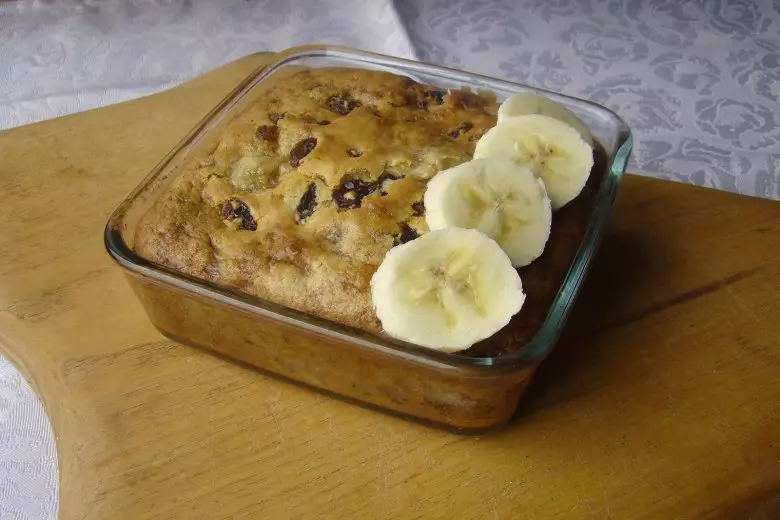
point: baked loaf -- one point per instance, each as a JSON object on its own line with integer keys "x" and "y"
{"x": 308, "y": 188}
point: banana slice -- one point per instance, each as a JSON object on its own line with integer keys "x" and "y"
{"x": 527, "y": 103}
{"x": 551, "y": 149}
{"x": 446, "y": 290}
{"x": 496, "y": 196}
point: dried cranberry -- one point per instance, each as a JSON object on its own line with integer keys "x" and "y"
{"x": 408, "y": 234}
{"x": 461, "y": 129}
{"x": 342, "y": 104}
{"x": 268, "y": 132}
{"x": 235, "y": 209}
{"x": 351, "y": 192}
{"x": 354, "y": 152}
{"x": 301, "y": 150}
{"x": 307, "y": 203}
{"x": 248, "y": 223}
{"x": 419, "y": 208}
{"x": 435, "y": 95}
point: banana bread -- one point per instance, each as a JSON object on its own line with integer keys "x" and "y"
{"x": 309, "y": 187}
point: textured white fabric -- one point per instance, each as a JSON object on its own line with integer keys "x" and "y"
{"x": 62, "y": 57}
{"x": 28, "y": 464}
{"x": 697, "y": 80}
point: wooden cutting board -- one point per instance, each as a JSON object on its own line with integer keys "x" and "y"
{"x": 661, "y": 401}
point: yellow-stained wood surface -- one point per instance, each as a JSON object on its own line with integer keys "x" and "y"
{"x": 662, "y": 399}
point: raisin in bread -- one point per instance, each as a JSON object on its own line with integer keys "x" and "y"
{"x": 309, "y": 187}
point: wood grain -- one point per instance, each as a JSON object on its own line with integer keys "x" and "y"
{"x": 661, "y": 401}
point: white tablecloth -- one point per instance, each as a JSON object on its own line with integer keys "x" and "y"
{"x": 698, "y": 81}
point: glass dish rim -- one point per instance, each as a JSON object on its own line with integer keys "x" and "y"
{"x": 533, "y": 351}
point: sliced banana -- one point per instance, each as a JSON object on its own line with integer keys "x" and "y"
{"x": 551, "y": 149}
{"x": 446, "y": 290}
{"x": 527, "y": 103}
{"x": 496, "y": 196}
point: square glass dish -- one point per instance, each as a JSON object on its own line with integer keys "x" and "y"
{"x": 473, "y": 391}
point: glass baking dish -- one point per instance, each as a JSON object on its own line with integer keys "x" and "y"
{"x": 457, "y": 392}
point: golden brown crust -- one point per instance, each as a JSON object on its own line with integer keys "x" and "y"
{"x": 309, "y": 187}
